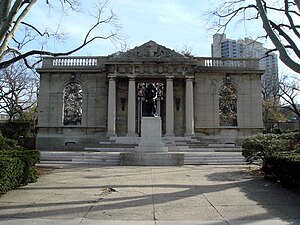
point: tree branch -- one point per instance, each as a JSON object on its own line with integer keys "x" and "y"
{"x": 293, "y": 27}
{"x": 10, "y": 34}
{"x": 286, "y": 37}
{"x": 35, "y": 29}
{"x": 283, "y": 55}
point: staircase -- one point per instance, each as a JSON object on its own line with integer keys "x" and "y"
{"x": 107, "y": 153}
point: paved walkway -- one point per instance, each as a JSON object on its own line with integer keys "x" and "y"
{"x": 189, "y": 195}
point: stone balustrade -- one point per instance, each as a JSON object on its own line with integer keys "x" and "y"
{"x": 228, "y": 63}
{"x": 69, "y": 62}
{"x": 94, "y": 61}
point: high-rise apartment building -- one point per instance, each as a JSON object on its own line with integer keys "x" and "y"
{"x": 247, "y": 48}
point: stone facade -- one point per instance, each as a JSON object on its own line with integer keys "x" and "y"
{"x": 189, "y": 100}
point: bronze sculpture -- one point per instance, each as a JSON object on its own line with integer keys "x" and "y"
{"x": 149, "y": 103}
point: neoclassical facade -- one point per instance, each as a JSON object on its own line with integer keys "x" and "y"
{"x": 86, "y": 100}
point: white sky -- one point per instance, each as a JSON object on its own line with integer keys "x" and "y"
{"x": 172, "y": 23}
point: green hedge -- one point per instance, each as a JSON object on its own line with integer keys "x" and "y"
{"x": 11, "y": 161}
{"x": 258, "y": 147}
{"x": 8, "y": 144}
{"x": 11, "y": 170}
{"x": 284, "y": 167}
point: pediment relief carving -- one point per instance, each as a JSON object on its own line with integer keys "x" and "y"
{"x": 150, "y": 50}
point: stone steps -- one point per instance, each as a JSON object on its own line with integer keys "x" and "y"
{"x": 214, "y": 158}
{"x": 109, "y": 156}
{"x": 90, "y": 158}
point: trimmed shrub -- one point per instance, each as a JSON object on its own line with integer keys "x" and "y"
{"x": 8, "y": 144}
{"x": 260, "y": 146}
{"x": 29, "y": 159}
{"x": 11, "y": 170}
{"x": 17, "y": 129}
{"x": 284, "y": 167}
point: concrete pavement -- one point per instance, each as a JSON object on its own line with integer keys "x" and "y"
{"x": 189, "y": 195}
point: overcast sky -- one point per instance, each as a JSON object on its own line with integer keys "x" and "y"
{"x": 172, "y": 23}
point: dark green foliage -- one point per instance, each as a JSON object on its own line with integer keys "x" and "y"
{"x": 280, "y": 156}
{"x": 284, "y": 167}
{"x": 10, "y": 160}
{"x": 11, "y": 170}
{"x": 16, "y": 129}
{"x": 8, "y": 144}
{"x": 259, "y": 146}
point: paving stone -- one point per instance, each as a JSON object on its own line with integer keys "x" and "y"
{"x": 189, "y": 195}
{"x": 115, "y": 222}
{"x": 131, "y": 211}
{"x": 250, "y": 212}
{"x": 210, "y": 222}
{"x": 39, "y": 221}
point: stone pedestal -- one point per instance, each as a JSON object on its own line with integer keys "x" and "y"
{"x": 151, "y": 136}
{"x": 151, "y": 159}
{"x": 151, "y": 150}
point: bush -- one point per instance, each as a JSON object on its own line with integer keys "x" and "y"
{"x": 29, "y": 158}
{"x": 11, "y": 170}
{"x": 17, "y": 167}
{"x": 8, "y": 144}
{"x": 260, "y": 146}
{"x": 284, "y": 167}
{"x": 17, "y": 129}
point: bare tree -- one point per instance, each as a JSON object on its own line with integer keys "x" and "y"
{"x": 289, "y": 91}
{"x": 18, "y": 92}
{"x": 13, "y": 19}
{"x": 186, "y": 51}
{"x": 279, "y": 20}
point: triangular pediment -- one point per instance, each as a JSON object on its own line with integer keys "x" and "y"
{"x": 150, "y": 51}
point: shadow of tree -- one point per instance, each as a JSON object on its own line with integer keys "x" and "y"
{"x": 277, "y": 202}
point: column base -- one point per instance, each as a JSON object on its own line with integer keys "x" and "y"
{"x": 131, "y": 135}
{"x": 111, "y": 134}
{"x": 189, "y": 135}
{"x": 169, "y": 134}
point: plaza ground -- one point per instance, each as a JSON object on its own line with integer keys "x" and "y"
{"x": 188, "y": 195}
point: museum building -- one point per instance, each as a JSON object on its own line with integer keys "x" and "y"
{"x": 87, "y": 100}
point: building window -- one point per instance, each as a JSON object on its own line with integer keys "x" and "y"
{"x": 72, "y": 104}
{"x": 228, "y": 105}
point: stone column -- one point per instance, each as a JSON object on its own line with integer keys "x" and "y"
{"x": 169, "y": 107}
{"x": 111, "y": 111}
{"x": 131, "y": 108}
{"x": 189, "y": 106}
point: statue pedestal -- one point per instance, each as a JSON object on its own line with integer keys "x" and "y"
{"x": 151, "y": 136}
{"x": 151, "y": 150}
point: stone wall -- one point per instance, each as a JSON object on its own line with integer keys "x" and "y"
{"x": 121, "y": 120}
{"x": 206, "y": 101}
{"x": 179, "y": 107}
{"x": 52, "y": 132}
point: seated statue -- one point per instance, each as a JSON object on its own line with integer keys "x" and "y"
{"x": 149, "y": 106}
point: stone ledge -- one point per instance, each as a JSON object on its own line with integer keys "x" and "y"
{"x": 151, "y": 159}
{"x": 151, "y": 149}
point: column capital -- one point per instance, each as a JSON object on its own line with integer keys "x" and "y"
{"x": 170, "y": 77}
{"x": 131, "y": 77}
{"x": 112, "y": 77}
{"x": 189, "y": 77}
